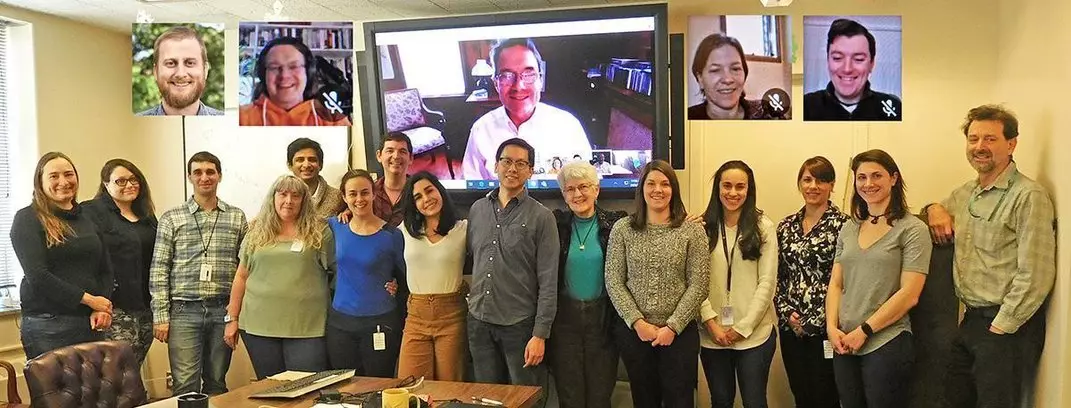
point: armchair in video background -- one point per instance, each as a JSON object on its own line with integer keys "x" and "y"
{"x": 407, "y": 113}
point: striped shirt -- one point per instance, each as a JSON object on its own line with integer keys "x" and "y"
{"x": 1005, "y": 246}
{"x": 186, "y": 238}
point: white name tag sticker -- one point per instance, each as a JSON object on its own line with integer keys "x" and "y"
{"x": 827, "y": 349}
{"x": 726, "y": 316}
{"x": 297, "y": 246}
{"x": 206, "y": 272}
{"x": 379, "y": 341}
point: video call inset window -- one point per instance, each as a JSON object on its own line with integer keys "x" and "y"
{"x": 177, "y": 69}
{"x": 852, "y": 68}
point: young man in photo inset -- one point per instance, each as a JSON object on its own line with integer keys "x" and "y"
{"x": 850, "y": 58}
{"x": 519, "y": 81}
{"x": 180, "y": 66}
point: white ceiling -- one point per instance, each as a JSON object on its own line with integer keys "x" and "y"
{"x": 118, "y": 15}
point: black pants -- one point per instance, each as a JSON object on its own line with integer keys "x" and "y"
{"x": 350, "y": 343}
{"x": 663, "y": 376}
{"x": 878, "y": 379}
{"x": 724, "y": 368}
{"x": 989, "y": 370}
{"x": 582, "y": 353}
{"x": 810, "y": 374}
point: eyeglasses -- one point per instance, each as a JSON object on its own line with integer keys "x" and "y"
{"x": 280, "y": 69}
{"x": 507, "y": 78}
{"x": 582, "y": 189}
{"x": 517, "y": 164}
{"x": 122, "y": 182}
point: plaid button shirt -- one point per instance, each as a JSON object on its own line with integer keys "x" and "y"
{"x": 181, "y": 238}
{"x": 1005, "y": 246}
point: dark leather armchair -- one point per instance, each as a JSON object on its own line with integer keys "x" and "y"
{"x": 12, "y": 383}
{"x": 98, "y": 374}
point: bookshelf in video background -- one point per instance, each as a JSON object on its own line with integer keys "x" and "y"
{"x": 332, "y": 41}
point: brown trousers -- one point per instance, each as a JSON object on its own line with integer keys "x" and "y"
{"x": 434, "y": 338}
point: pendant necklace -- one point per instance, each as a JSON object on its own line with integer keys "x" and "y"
{"x": 576, "y": 230}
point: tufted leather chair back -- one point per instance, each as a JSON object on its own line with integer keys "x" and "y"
{"x": 103, "y": 374}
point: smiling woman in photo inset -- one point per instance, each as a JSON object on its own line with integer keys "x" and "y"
{"x": 720, "y": 68}
{"x": 285, "y": 95}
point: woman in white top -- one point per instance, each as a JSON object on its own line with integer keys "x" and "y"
{"x": 738, "y": 314}
{"x": 434, "y": 337}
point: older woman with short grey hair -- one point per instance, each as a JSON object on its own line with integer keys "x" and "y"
{"x": 583, "y": 356}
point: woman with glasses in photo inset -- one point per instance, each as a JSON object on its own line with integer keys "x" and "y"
{"x": 807, "y": 241}
{"x": 123, "y": 211}
{"x": 880, "y": 267}
{"x": 434, "y": 339}
{"x": 582, "y": 353}
{"x": 67, "y": 278}
{"x": 657, "y": 271}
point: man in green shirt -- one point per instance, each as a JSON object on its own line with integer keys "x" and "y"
{"x": 1005, "y": 242}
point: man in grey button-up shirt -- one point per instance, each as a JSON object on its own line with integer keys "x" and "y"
{"x": 1004, "y": 266}
{"x": 513, "y": 240}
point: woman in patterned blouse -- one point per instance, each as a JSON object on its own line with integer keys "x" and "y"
{"x": 807, "y": 240}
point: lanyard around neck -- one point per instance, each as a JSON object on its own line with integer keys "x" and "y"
{"x": 729, "y": 255}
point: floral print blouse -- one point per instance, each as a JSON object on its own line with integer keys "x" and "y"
{"x": 804, "y": 267}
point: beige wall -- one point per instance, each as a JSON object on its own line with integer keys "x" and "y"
{"x": 958, "y": 55}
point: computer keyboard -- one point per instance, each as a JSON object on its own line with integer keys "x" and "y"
{"x": 302, "y": 386}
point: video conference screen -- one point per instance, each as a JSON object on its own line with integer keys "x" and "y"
{"x": 575, "y": 90}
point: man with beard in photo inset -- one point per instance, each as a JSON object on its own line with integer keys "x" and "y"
{"x": 180, "y": 66}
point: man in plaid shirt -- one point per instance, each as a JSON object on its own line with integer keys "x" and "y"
{"x": 193, "y": 265}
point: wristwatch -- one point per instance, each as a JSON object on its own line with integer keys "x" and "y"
{"x": 228, "y": 319}
{"x": 867, "y": 330}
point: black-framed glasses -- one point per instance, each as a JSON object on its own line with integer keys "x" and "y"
{"x": 123, "y": 182}
{"x": 517, "y": 164}
{"x": 508, "y": 78}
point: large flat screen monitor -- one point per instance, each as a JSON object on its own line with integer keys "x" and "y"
{"x": 579, "y": 84}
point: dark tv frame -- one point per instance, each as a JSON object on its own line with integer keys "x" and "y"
{"x": 371, "y": 92}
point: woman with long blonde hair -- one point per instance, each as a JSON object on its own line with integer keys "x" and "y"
{"x": 67, "y": 279}
{"x": 280, "y": 292}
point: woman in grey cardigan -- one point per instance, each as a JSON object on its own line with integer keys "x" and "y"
{"x": 880, "y": 267}
{"x": 657, "y": 271}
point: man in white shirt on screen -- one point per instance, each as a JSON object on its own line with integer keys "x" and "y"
{"x": 519, "y": 81}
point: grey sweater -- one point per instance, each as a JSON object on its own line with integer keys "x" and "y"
{"x": 660, "y": 274}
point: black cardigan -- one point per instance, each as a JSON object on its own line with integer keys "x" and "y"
{"x": 55, "y": 278}
{"x": 130, "y": 246}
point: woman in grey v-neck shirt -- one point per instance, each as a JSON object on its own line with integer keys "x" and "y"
{"x": 880, "y": 267}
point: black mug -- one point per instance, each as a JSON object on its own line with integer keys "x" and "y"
{"x": 193, "y": 400}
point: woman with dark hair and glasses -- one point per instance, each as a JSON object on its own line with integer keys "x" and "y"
{"x": 67, "y": 278}
{"x": 656, "y": 275}
{"x": 123, "y": 211}
{"x": 286, "y": 92}
{"x": 880, "y": 267}
{"x": 433, "y": 342}
{"x": 720, "y": 68}
{"x": 807, "y": 241}
{"x": 738, "y": 315}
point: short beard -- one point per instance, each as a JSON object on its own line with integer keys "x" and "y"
{"x": 178, "y": 101}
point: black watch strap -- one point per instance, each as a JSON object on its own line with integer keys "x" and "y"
{"x": 867, "y": 330}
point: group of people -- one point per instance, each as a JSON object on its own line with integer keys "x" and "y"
{"x": 368, "y": 276}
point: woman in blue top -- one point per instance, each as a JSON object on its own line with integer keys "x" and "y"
{"x": 363, "y": 323}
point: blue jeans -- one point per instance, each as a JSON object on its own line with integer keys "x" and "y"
{"x": 878, "y": 379}
{"x": 751, "y": 368}
{"x": 498, "y": 354}
{"x": 273, "y": 355}
{"x": 196, "y": 348}
{"x": 44, "y": 332}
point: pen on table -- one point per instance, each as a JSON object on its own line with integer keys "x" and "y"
{"x": 488, "y": 401}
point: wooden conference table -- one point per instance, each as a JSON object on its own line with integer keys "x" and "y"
{"x": 513, "y": 396}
